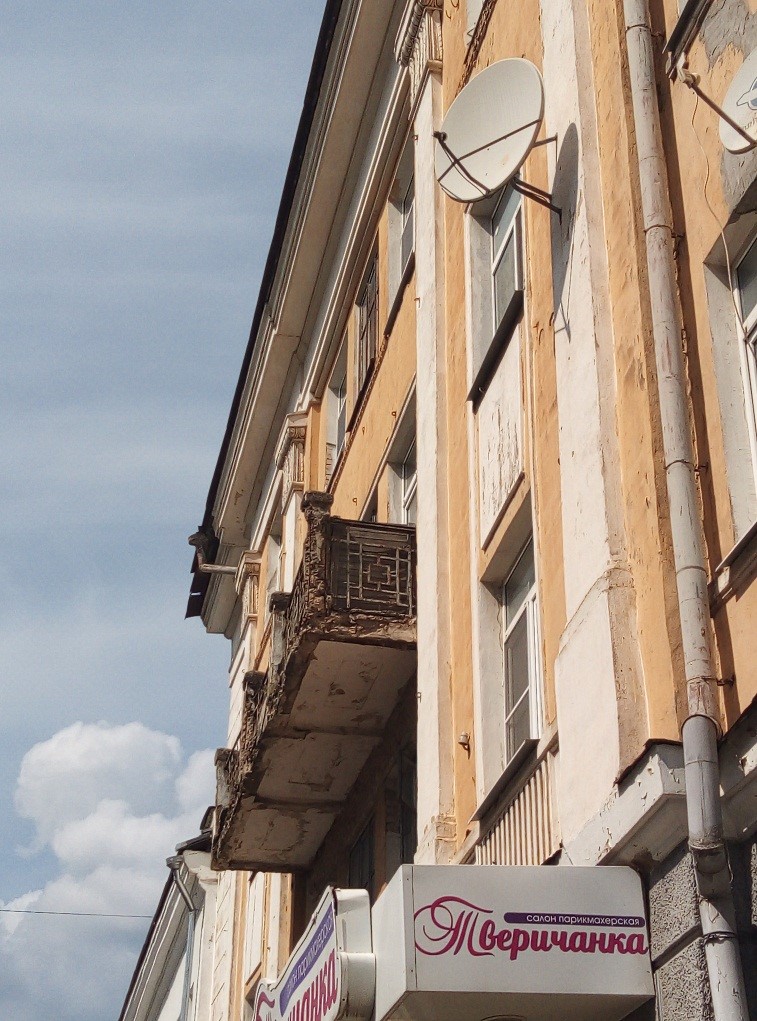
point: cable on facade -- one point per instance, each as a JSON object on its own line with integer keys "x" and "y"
{"x": 74, "y": 914}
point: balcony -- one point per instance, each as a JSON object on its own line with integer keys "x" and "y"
{"x": 342, "y": 650}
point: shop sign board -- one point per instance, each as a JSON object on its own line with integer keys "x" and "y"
{"x": 472, "y": 942}
{"x": 330, "y": 974}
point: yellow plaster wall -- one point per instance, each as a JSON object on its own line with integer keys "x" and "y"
{"x": 644, "y": 493}
{"x": 460, "y": 484}
{"x": 514, "y": 30}
{"x": 695, "y": 164}
{"x": 375, "y": 422}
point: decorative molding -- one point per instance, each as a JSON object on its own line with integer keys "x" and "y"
{"x": 247, "y": 583}
{"x": 290, "y": 455}
{"x": 476, "y": 42}
{"x": 419, "y": 42}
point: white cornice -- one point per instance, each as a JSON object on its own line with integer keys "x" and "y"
{"x": 349, "y": 81}
{"x": 411, "y": 26}
{"x": 373, "y": 185}
{"x": 163, "y": 953}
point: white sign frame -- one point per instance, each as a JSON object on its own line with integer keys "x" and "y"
{"x": 548, "y": 943}
{"x": 330, "y": 975}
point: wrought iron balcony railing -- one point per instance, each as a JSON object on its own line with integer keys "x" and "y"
{"x": 354, "y": 597}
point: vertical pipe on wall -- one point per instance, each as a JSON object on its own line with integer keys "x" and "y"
{"x": 702, "y": 726}
{"x": 174, "y": 863}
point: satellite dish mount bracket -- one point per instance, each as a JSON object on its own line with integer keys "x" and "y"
{"x": 692, "y": 82}
{"x": 530, "y": 191}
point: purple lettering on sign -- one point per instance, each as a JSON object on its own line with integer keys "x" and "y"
{"x": 452, "y": 925}
{"x": 586, "y": 921}
{"x": 302, "y": 966}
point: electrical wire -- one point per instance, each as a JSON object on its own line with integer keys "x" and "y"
{"x": 73, "y": 914}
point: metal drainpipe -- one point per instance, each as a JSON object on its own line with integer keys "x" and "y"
{"x": 701, "y": 728}
{"x": 174, "y": 863}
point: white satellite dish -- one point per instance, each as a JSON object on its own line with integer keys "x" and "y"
{"x": 740, "y": 106}
{"x": 489, "y": 130}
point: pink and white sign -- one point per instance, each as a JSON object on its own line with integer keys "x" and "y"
{"x": 452, "y": 925}
{"x": 330, "y": 975}
{"x": 467, "y": 942}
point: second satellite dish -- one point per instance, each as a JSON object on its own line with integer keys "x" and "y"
{"x": 489, "y": 130}
{"x": 740, "y": 104}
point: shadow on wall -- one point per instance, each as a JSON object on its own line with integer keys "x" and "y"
{"x": 564, "y": 195}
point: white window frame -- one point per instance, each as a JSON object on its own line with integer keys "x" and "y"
{"x": 409, "y": 482}
{"x": 274, "y": 566}
{"x": 747, "y": 337}
{"x": 407, "y": 220}
{"x": 367, "y": 325}
{"x": 400, "y": 231}
{"x": 533, "y": 690}
{"x": 488, "y": 335}
{"x": 512, "y": 234}
{"x": 254, "y": 930}
{"x": 336, "y": 397}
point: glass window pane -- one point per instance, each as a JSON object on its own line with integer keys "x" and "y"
{"x": 409, "y": 463}
{"x": 408, "y": 810}
{"x": 747, "y": 279}
{"x": 341, "y": 415}
{"x": 516, "y": 664}
{"x": 519, "y": 584}
{"x": 503, "y": 217}
{"x": 407, "y": 240}
{"x": 518, "y": 729}
{"x": 407, "y": 201}
{"x": 361, "y": 870}
{"x": 411, "y": 510}
{"x": 504, "y": 280}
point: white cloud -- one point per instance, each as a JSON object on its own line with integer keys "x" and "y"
{"x": 66, "y": 778}
{"x": 112, "y": 833}
{"x": 11, "y": 920}
{"x": 111, "y": 802}
{"x": 195, "y": 788}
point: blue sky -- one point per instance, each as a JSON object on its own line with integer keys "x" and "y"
{"x": 143, "y": 152}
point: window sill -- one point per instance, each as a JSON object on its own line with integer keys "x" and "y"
{"x": 735, "y": 571}
{"x": 684, "y": 32}
{"x": 397, "y": 303}
{"x": 497, "y": 347}
{"x": 523, "y": 754}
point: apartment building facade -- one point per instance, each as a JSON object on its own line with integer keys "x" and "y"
{"x": 482, "y": 529}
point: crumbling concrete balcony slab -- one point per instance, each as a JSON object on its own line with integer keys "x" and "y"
{"x": 342, "y": 650}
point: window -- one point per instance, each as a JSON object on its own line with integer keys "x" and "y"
{"x": 336, "y": 411}
{"x": 730, "y": 275}
{"x": 408, "y": 788}
{"x": 505, "y": 259}
{"x": 407, "y": 211}
{"x": 274, "y": 565}
{"x": 400, "y": 238}
{"x": 367, "y": 308}
{"x": 402, "y": 470}
{"x": 522, "y": 674}
{"x": 254, "y": 927}
{"x": 409, "y": 483}
{"x": 746, "y": 300}
{"x": 361, "y": 867}
{"x": 495, "y": 284}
